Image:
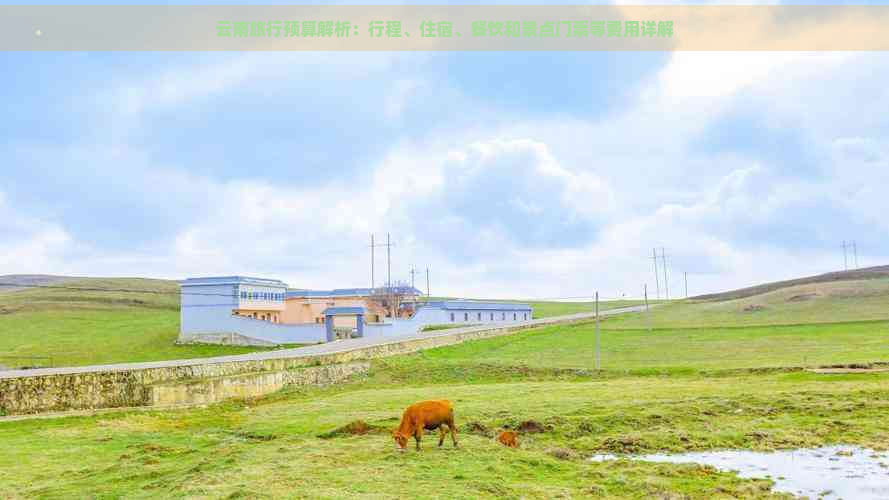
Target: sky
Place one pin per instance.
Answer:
(507, 174)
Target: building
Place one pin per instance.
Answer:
(258, 311)
(307, 306)
(239, 310)
(475, 312)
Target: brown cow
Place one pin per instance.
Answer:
(508, 439)
(424, 415)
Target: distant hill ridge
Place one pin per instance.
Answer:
(866, 273)
(29, 280)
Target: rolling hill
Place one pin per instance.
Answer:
(831, 298)
(866, 273)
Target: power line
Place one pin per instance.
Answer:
(666, 285)
(657, 280)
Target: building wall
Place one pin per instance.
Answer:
(432, 315)
(311, 309)
(259, 331)
(485, 316)
(203, 306)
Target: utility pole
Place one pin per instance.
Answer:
(855, 253)
(373, 247)
(664, 262)
(686, 284)
(845, 258)
(413, 272)
(388, 262)
(388, 246)
(657, 281)
(597, 331)
(647, 311)
(427, 284)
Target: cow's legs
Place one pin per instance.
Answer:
(441, 435)
(453, 429)
(417, 435)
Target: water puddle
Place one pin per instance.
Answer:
(831, 472)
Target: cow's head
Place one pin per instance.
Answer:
(400, 440)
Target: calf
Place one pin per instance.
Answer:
(508, 439)
(424, 415)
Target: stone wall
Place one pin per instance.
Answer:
(250, 385)
(163, 386)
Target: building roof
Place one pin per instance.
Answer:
(351, 292)
(232, 280)
(344, 311)
(472, 305)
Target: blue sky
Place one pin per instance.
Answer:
(508, 174)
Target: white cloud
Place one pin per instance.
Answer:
(538, 207)
(30, 245)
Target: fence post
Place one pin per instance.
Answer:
(597, 332)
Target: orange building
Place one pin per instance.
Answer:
(307, 306)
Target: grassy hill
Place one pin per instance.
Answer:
(867, 273)
(821, 302)
(74, 321)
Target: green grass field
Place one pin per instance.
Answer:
(544, 309)
(279, 446)
(64, 327)
(702, 378)
(573, 346)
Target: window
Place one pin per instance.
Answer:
(526, 316)
(503, 316)
(514, 316)
(492, 316)
(243, 295)
(465, 316)
(452, 318)
(479, 316)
